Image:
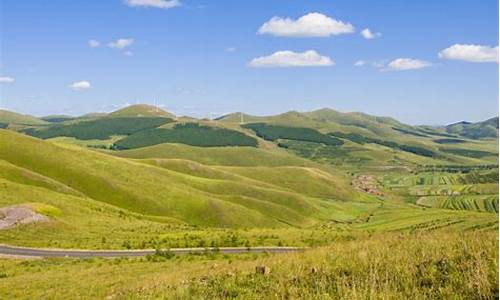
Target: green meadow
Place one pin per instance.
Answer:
(383, 209)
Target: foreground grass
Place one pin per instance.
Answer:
(439, 264)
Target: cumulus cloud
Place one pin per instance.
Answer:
(310, 25)
(288, 58)
(6, 79)
(94, 43)
(470, 53)
(404, 64)
(121, 43)
(80, 85)
(367, 34)
(360, 63)
(164, 4)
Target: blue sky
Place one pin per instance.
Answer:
(196, 58)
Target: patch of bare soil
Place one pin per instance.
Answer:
(19, 214)
(367, 184)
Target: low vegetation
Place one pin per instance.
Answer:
(101, 129)
(387, 210)
(468, 152)
(422, 265)
(356, 138)
(275, 132)
(190, 134)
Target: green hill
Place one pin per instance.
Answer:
(160, 192)
(350, 140)
(141, 110)
(9, 117)
(485, 129)
(100, 128)
(192, 134)
(223, 156)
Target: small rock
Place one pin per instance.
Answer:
(264, 270)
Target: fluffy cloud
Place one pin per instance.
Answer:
(94, 43)
(310, 25)
(367, 34)
(403, 64)
(80, 85)
(164, 4)
(121, 43)
(360, 63)
(287, 58)
(470, 53)
(6, 79)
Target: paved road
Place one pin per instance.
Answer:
(36, 252)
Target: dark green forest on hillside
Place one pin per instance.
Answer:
(359, 139)
(449, 141)
(191, 134)
(467, 152)
(275, 132)
(101, 129)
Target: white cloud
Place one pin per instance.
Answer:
(6, 79)
(360, 63)
(375, 64)
(121, 43)
(367, 34)
(310, 25)
(80, 85)
(230, 49)
(287, 58)
(404, 64)
(94, 43)
(164, 4)
(470, 53)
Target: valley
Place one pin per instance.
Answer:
(341, 185)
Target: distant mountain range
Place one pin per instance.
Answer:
(323, 135)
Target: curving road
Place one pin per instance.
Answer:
(37, 252)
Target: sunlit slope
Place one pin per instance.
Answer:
(9, 117)
(368, 140)
(225, 156)
(75, 221)
(150, 190)
(141, 110)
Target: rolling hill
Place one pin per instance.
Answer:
(484, 129)
(141, 110)
(9, 117)
(356, 140)
(155, 190)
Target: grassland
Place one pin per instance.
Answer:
(431, 232)
(426, 265)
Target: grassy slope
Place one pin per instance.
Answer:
(141, 110)
(10, 117)
(383, 128)
(389, 266)
(226, 156)
(150, 190)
